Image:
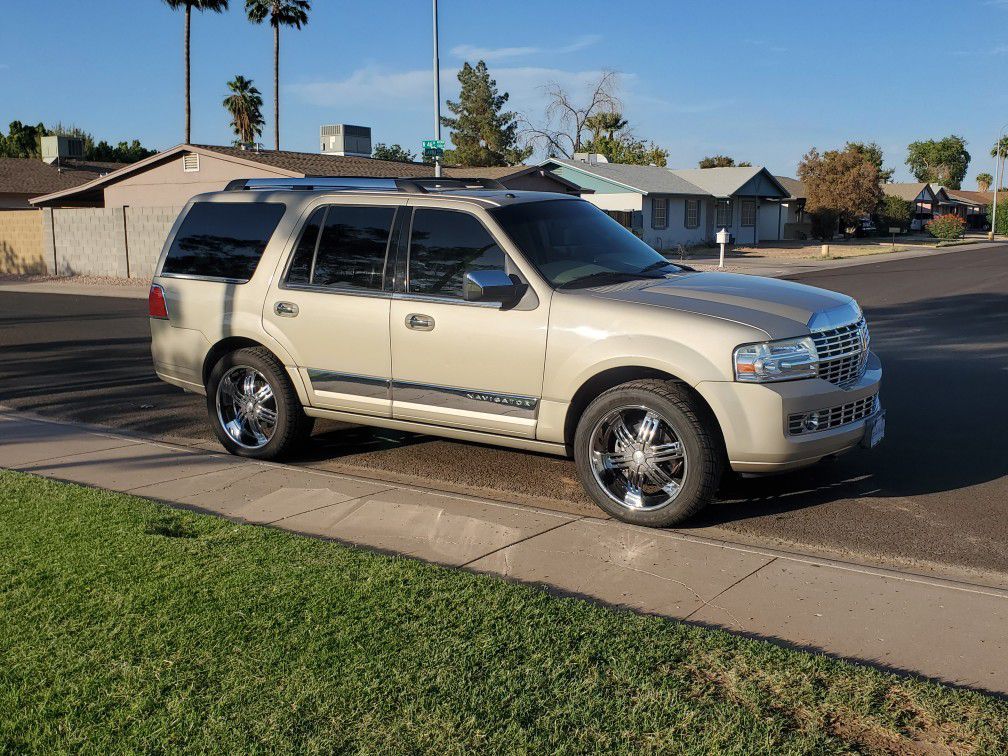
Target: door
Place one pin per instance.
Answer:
(329, 307)
(470, 365)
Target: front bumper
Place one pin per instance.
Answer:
(754, 419)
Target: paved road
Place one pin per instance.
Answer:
(935, 492)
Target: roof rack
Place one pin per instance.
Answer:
(411, 185)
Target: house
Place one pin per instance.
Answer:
(668, 207)
(171, 178)
(796, 224)
(24, 178)
(970, 206)
(920, 195)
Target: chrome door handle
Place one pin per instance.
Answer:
(419, 322)
(286, 309)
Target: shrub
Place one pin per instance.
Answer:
(824, 223)
(947, 226)
(892, 212)
(1002, 216)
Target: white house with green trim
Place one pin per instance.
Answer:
(668, 207)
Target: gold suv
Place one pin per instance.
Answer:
(522, 319)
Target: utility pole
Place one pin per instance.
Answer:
(437, 95)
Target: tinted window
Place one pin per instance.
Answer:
(573, 241)
(223, 239)
(351, 252)
(444, 246)
(301, 261)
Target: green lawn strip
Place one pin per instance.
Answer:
(129, 626)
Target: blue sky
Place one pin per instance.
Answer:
(760, 81)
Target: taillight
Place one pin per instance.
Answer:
(156, 305)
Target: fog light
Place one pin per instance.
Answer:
(811, 421)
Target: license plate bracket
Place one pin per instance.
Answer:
(874, 431)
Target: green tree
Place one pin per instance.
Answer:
(892, 212)
(215, 6)
(244, 104)
(984, 181)
(607, 124)
(612, 138)
(278, 13)
(566, 121)
(483, 133)
(393, 152)
(102, 151)
(943, 161)
(840, 184)
(717, 161)
(1002, 216)
(1000, 148)
(22, 141)
(873, 153)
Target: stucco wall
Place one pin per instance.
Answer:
(169, 185)
(21, 250)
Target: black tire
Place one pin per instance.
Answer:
(697, 432)
(293, 426)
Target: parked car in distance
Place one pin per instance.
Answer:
(523, 319)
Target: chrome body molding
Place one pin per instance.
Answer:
(836, 317)
(445, 397)
(472, 400)
(345, 383)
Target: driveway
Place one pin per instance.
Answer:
(935, 493)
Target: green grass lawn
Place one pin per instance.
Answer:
(128, 626)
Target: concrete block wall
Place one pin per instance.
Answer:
(146, 231)
(90, 241)
(21, 248)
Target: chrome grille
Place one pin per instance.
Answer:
(843, 353)
(834, 417)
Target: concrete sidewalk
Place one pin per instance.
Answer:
(944, 629)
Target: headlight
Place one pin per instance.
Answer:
(784, 360)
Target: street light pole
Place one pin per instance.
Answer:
(437, 94)
(998, 178)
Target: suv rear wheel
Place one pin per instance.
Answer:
(253, 408)
(646, 455)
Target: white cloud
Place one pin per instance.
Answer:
(369, 86)
(980, 52)
(474, 52)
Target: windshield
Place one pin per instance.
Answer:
(572, 243)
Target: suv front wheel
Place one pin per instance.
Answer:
(253, 408)
(646, 455)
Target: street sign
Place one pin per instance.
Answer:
(433, 152)
(433, 144)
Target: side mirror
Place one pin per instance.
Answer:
(491, 286)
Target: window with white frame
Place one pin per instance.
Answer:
(748, 212)
(659, 212)
(723, 217)
(692, 217)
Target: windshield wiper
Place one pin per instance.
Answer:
(603, 277)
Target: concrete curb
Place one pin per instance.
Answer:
(949, 630)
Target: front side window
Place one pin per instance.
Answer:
(444, 246)
(573, 244)
(748, 213)
(723, 218)
(692, 217)
(222, 239)
(659, 212)
(343, 247)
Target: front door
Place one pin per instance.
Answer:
(470, 365)
(329, 306)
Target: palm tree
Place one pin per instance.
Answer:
(605, 122)
(245, 106)
(999, 169)
(280, 13)
(984, 181)
(217, 6)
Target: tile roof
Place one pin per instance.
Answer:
(973, 198)
(650, 179)
(32, 176)
(316, 164)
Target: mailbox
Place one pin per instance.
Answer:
(723, 237)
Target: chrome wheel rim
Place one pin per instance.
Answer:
(638, 458)
(246, 407)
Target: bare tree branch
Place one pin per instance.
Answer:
(565, 117)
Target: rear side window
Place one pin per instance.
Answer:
(444, 246)
(343, 247)
(223, 239)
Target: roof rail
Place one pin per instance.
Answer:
(411, 185)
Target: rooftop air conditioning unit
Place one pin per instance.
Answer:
(346, 140)
(59, 147)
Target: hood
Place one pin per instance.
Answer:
(781, 309)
